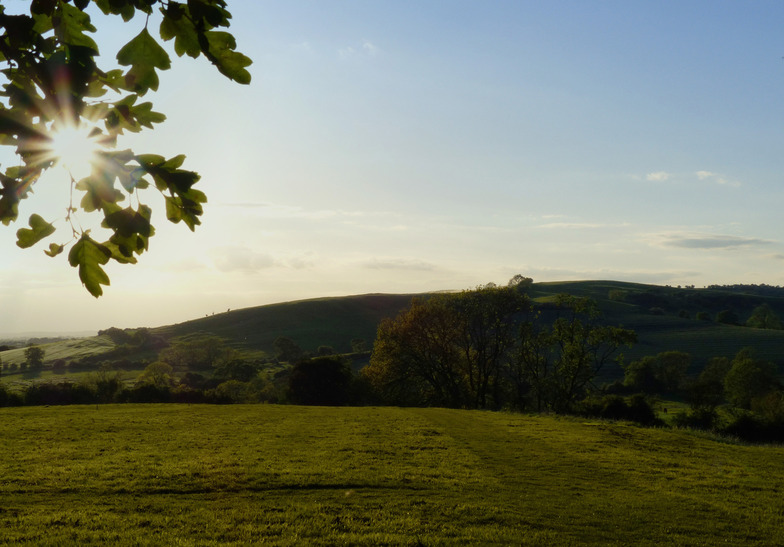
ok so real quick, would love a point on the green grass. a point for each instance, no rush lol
(310, 323)
(285, 475)
(70, 350)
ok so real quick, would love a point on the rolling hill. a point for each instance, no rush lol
(665, 318)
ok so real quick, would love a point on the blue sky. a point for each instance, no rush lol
(416, 146)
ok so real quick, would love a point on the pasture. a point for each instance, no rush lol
(284, 475)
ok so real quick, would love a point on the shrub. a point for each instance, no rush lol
(320, 381)
(146, 393)
(754, 428)
(64, 393)
(615, 407)
(697, 418)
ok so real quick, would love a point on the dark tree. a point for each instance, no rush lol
(287, 349)
(727, 317)
(322, 381)
(749, 378)
(763, 317)
(34, 357)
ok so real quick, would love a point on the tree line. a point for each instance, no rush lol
(491, 348)
(487, 348)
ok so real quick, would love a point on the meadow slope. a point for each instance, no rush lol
(664, 318)
(284, 475)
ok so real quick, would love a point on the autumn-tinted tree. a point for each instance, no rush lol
(55, 92)
(417, 359)
(485, 349)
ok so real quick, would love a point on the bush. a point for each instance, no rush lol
(146, 393)
(754, 428)
(64, 393)
(705, 418)
(320, 381)
(615, 407)
(58, 367)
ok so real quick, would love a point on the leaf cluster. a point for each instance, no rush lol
(53, 80)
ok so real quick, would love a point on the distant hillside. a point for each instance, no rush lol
(665, 318)
(310, 323)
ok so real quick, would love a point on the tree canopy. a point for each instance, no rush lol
(489, 347)
(58, 106)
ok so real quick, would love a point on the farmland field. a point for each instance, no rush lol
(240, 474)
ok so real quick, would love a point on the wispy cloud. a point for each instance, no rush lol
(581, 225)
(658, 176)
(369, 48)
(240, 259)
(569, 225)
(398, 264)
(275, 210)
(717, 178)
(365, 49)
(301, 261)
(702, 175)
(709, 241)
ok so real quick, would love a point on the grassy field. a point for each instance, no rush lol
(70, 350)
(210, 475)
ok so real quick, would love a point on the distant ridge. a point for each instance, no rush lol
(664, 318)
(333, 321)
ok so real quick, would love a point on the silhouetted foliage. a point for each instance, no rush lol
(749, 378)
(663, 373)
(727, 317)
(63, 393)
(323, 351)
(287, 349)
(320, 381)
(146, 393)
(358, 345)
(53, 83)
(763, 317)
(487, 348)
(614, 407)
(34, 357)
(237, 369)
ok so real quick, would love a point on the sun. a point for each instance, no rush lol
(75, 148)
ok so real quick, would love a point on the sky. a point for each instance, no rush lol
(412, 146)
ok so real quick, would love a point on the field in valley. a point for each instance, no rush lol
(244, 474)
